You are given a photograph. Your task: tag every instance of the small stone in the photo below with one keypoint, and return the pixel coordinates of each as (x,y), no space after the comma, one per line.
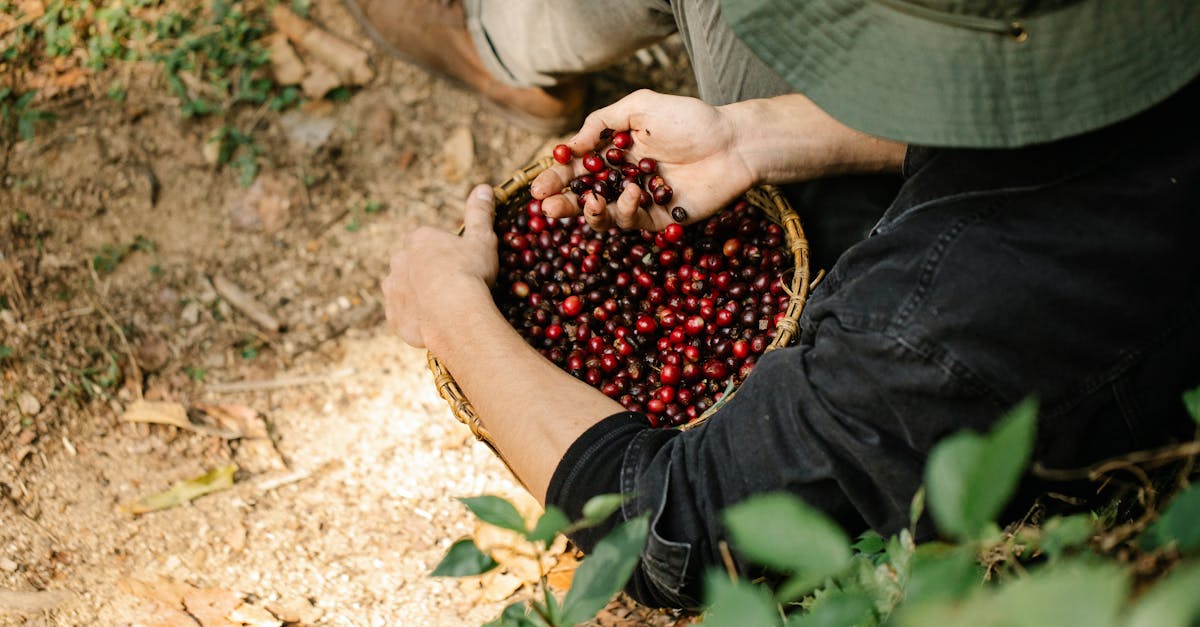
(295,610)
(8,565)
(29,404)
(307,131)
(458,154)
(377,127)
(152,352)
(191,313)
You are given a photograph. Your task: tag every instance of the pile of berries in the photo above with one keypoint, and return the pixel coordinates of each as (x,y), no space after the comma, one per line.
(663,322)
(609,175)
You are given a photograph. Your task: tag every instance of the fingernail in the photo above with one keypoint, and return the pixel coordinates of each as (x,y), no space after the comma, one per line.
(482,192)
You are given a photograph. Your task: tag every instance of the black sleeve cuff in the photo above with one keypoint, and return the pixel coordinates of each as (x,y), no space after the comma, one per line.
(592,466)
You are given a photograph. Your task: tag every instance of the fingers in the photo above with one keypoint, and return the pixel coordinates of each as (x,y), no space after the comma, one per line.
(480,212)
(595,209)
(618,116)
(626,213)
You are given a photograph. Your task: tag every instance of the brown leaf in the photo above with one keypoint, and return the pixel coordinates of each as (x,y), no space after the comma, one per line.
(498,586)
(33,601)
(240,419)
(160,413)
(254,616)
(212,607)
(458,154)
(321,79)
(348,62)
(164,591)
(285,63)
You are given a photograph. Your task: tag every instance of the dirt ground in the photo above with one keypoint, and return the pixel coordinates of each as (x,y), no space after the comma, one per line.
(119,241)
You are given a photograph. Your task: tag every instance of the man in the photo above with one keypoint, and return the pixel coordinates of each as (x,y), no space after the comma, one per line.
(1042,243)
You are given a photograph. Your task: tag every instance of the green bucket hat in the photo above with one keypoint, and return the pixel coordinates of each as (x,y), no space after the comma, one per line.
(976,73)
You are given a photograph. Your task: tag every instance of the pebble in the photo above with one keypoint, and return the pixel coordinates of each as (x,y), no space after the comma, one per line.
(191,313)
(29,404)
(8,565)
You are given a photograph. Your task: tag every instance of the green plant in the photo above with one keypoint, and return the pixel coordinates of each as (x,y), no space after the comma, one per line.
(17,117)
(195,373)
(598,578)
(110,255)
(239,150)
(1047,574)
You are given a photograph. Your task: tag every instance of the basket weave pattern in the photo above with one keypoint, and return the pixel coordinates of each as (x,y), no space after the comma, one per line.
(511,196)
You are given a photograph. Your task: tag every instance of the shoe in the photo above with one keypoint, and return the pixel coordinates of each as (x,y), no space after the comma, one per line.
(432,34)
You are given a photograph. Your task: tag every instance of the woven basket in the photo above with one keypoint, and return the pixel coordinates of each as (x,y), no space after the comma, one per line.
(511,196)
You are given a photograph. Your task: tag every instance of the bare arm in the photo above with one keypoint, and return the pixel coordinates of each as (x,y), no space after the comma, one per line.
(437,296)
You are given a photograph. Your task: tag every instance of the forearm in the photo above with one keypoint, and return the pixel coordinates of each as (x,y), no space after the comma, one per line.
(787,139)
(533,410)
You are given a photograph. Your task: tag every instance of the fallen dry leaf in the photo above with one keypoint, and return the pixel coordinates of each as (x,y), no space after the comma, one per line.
(500,586)
(215,480)
(285,63)
(212,607)
(167,617)
(158,412)
(320,80)
(32,601)
(458,154)
(348,62)
(253,616)
(240,419)
(171,414)
(165,591)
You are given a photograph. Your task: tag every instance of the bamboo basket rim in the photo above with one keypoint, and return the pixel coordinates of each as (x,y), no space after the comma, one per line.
(768,198)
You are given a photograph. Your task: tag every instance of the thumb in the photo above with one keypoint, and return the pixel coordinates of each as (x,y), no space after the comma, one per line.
(480,212)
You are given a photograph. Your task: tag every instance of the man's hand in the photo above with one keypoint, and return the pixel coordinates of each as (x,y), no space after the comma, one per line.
(429,272)
(691,142)
(710,155)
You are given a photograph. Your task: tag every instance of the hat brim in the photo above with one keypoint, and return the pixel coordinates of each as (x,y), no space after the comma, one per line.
(903,76)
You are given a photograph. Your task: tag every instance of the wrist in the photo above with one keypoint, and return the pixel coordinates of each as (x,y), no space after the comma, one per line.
(788,139)
(454,301)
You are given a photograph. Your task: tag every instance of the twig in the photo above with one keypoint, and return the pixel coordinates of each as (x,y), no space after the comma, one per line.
(245,303)
(727,560)
(78,312)
(1157,456)
(281,382)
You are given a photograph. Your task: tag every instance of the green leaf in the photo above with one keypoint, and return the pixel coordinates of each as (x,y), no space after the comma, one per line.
(603,573)
(7,351)
(869,543)
(1065,532)
(737,604)
(496,511)
(1179,523)
(550,607)
(1084,592)
(1172,602)
(552,522)
(782,532)
(516,615)
(941,572)
(1191,400)
(836,609)
(969,478)
(464,559)
(600,507)
(916,507)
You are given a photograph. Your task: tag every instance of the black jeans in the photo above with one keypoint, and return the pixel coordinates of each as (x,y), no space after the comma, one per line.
(1069,271)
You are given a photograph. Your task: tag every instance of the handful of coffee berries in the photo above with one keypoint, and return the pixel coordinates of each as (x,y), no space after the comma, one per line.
(665,323)
(609,175)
